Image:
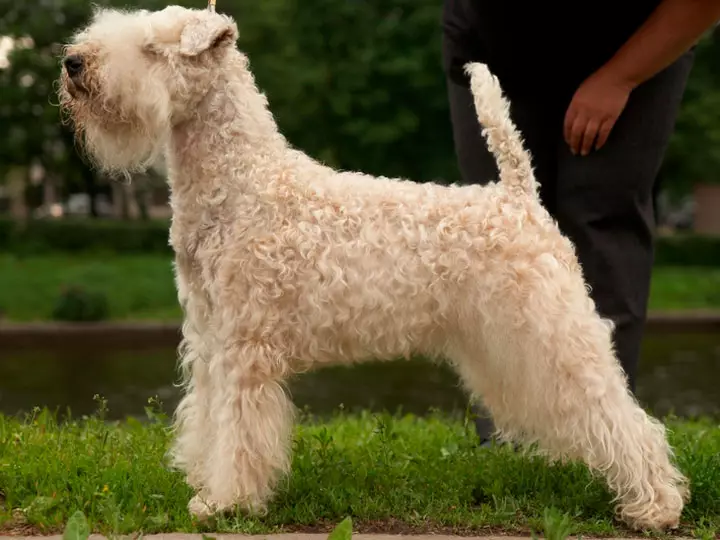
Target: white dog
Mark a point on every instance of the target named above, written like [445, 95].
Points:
[284, 264]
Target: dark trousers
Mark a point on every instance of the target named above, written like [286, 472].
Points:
[603, 202]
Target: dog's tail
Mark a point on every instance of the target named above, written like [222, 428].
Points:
[502, 136]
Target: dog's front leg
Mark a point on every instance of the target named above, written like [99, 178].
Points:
[253, 420]
[192, 425]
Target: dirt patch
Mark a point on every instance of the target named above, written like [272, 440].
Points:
[25, 530]
[396, 526]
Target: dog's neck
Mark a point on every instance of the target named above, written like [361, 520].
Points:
[233, 131]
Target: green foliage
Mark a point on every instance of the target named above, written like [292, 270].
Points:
[426, 473]
[694, 152]
[8, 229]
[78, 304]
[365, 75]
[688, 250]
[84, 236]
[28, 103]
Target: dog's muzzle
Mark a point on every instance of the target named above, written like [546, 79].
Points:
[74, 67]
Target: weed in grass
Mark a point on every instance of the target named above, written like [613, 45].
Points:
[342, 531]
[405, 472]
[705, 530]
[77, 527]
[556, 525]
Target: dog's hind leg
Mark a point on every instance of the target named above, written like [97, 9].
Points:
[549, 375]
[253, 421]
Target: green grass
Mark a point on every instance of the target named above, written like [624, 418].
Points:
[390, 473]
[139, 287]
[142, 288]
[682, 288]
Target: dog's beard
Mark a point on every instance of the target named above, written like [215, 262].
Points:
[118, 142]
[121, 149]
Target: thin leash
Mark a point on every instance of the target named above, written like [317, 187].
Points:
[211, 6]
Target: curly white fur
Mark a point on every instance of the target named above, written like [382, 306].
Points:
[284, 264]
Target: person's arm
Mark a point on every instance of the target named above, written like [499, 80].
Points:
[672, 28]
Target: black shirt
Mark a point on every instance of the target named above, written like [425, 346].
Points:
[538, 47]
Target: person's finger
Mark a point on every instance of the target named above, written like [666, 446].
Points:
[576, 133]
[604, 133]
[570, 116]
[588, 137]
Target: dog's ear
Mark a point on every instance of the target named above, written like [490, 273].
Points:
[207, 33]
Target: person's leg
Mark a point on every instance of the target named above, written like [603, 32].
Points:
[477, 166]
[605, 205]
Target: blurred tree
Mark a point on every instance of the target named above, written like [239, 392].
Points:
[694, 152]
[28, 103]
[355, 83]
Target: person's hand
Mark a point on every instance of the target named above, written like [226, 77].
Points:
[593, 111]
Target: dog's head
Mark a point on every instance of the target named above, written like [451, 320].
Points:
[129, 77]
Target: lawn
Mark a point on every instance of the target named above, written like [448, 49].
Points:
[138, 287]
[142, 287]
[390, 473]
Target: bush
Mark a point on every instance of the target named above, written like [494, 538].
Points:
[83, 236]
[7, 228]
[688, 250]
[76, 304]
[102, 235]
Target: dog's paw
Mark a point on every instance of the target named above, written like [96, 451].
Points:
[201, 509]
[661, 513]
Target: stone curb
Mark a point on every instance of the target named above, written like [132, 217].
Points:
[160, 334]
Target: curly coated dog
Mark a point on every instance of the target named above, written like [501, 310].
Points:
[284, 264]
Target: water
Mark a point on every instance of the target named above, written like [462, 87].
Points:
[679, 373]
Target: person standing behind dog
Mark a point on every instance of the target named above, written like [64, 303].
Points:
[594, 89]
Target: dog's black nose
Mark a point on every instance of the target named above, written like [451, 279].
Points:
[74, 64]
